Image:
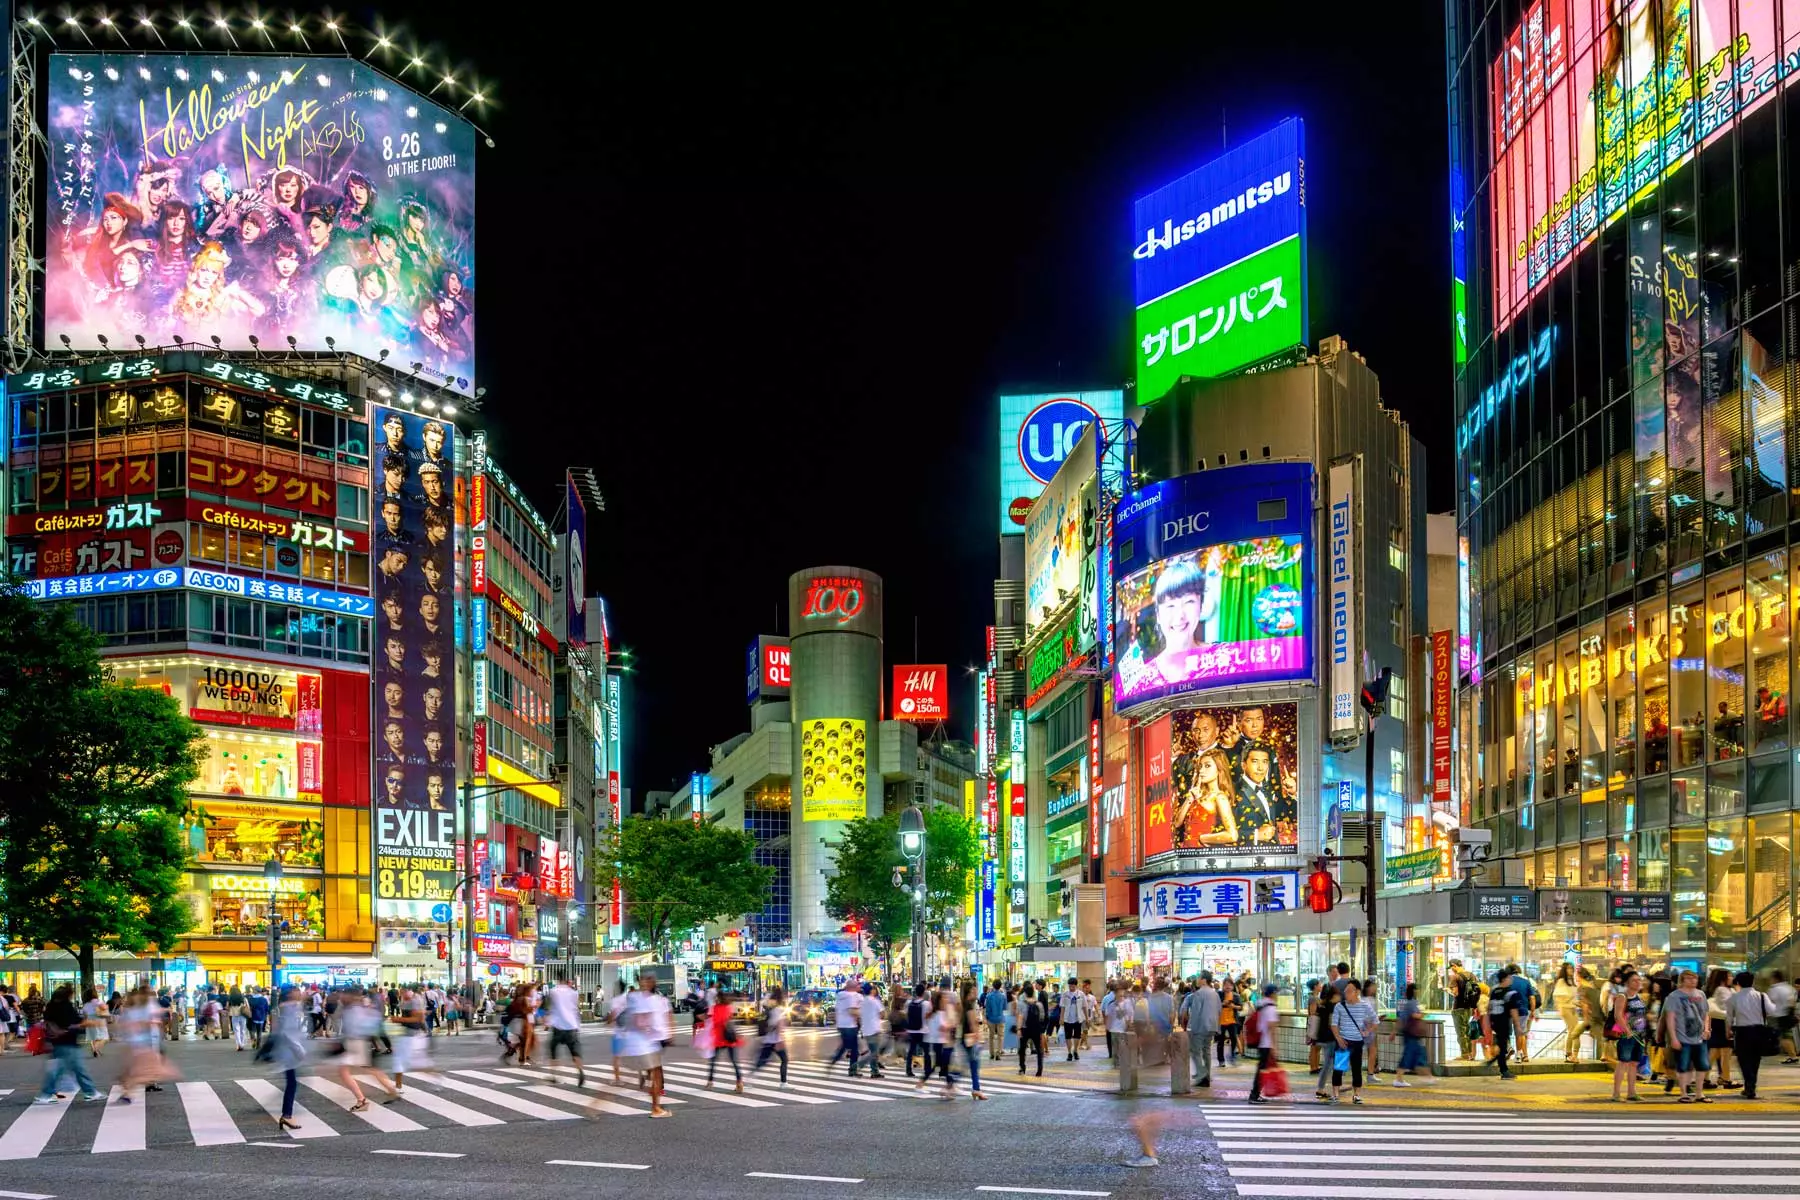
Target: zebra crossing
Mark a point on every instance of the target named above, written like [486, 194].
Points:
[238, 1111]
[1460, 1154]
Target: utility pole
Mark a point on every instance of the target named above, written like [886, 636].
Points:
[1374, 699]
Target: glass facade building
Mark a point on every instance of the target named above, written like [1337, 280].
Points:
[1626, 252]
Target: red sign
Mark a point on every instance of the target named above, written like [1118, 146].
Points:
[1019, 509]
[258, 483]
[102, 478]
[922, 693]
[481, 892]
[480, 764]
[493, 946]
[549, 868]
[777, 666]
[1096, 786]
[311, 759]
[478, 564]
[617, 916]
[92, 551]
[1443, 642]
[837, 598]
[1158, 804]
[478, 503]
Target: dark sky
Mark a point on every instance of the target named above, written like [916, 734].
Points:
[768, 274]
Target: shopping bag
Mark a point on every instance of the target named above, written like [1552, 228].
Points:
[36, 1041]
[703, 1040]
[1341, 1061]
[1274, 1081]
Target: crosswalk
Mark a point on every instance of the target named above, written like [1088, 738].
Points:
[236, 1111]
[1459, 1154]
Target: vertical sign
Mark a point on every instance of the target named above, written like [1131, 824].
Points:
[700, 794]
[575, 568]
[615, 741]
[483, 872]
[982, 762]
[969, 814]
[480, 765]
[415, 804]
[1015, 861]
[1441, 705]
[1096, 786]
[1018, 744]
[1341, 607]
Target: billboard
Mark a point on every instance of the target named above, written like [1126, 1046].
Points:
[575, 570]
[1037, 432]
[1059, 536]
[1590, 111]
[1443, 714]
[1220, 274]
[415, 742]
[845, 603]
[768, 668]
[922, 693]
[1346, 657]
[1229, 783]
[1214, 582]
[195, 195]
[834, 769]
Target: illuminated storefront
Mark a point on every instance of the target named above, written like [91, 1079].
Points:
[1626, 456]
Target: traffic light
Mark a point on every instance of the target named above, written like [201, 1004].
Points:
[852, 927]
[1375, 692]
[443, 949]
[1321, 889]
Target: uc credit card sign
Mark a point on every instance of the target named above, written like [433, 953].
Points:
[1219, 263]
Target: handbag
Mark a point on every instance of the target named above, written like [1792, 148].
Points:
[1274, 1081]
[1341, 1061]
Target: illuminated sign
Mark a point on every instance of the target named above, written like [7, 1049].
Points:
[261, 484]
[483, 873]
[478, 579]
[1037, 432]
[132, 516]
[699, 794]
[1015, 836]
[1051, 663]
[255, 883]
[478, 625]
[1340, 501]
[1177, 900]
[1513, 381]
[209, 581]
[131, 370]
[1214, 582]
[836, 599]
[1223, 781]
[493, 946]
[921, 693]
[1220, 274]
[575, 569]
[480, 748]
[1442, 715]
[515, 610]
[833, 769]
[364, 175]
[1096, 786]
[768, 668]
[480, 706]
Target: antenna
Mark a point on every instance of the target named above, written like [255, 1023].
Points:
[1224, 132]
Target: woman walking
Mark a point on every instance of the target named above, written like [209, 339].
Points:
[1719, 992]
[1565, 996]
[1628, 1023]
[724, 1039]
[1323, 1038]
[291, 1025]
[1749, 1014]
[96, 1017]
[946, 1013]
[973, 1029]
[360, 1022]
[1352, 1023]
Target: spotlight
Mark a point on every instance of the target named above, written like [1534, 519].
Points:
[383, 391]
[144, 73]
[330, 343]
[449, 410]
[216, 343]
[101, 338]
[106, 21]
[140, 340]
[384, 355]
[417, 367]
[181, 74]
[324, 80]
[220, 22]
[65, 341]
[292, 344]
[428, 403]
[441, 127]
[412, 110]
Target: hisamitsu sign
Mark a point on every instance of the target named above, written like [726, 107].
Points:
[1176, 900]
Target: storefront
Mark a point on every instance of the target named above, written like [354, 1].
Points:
[1183, 920]
[241, 904]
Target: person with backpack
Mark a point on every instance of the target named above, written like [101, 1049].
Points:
[1259, 1043]
[724, 1041]
[1748, 1013]
[1031, 1028]
[1505, 1011]
[1465, 994]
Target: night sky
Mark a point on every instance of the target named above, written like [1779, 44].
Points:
[768, 276]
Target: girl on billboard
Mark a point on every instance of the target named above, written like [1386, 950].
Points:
[110, 238]
[1205, 817]
[1187, 610]
[175, 246]
[356, 207]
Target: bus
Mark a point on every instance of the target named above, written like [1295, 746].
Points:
[750, 978]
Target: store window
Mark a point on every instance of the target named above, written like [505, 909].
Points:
[1064, 845]
[1687, 888]
[1725, 621]
[1547, 688]
[1725, 789]
[1653, 860]
[240, 904]
[1653, 673]
[1687, 674]
[1621, 669]
[1766, 619]
[1568, 694]
[1727, 885]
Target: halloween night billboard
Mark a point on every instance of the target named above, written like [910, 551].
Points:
[266, 197]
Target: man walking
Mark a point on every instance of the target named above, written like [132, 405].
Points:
[993, 1011]
[870, 1010]
[1200, 1013]
[1688, 1024]
[564, 1007]
[848, 1018]
[1505, 1013]
[1074, 1016]
[1464, 995]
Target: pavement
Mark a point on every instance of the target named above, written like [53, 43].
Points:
[473, 1126]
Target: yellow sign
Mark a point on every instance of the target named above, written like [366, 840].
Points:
[834, 769]
[255, 883]
[503, 773]
[726, 964]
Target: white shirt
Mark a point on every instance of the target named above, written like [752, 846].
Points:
[1747, 1006]
[872, 1011]
[646, 1023]
[1118, 1015]
[565, 1008]
[849, 1003]
[1782, 996]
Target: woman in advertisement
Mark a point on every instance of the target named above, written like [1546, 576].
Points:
[1205, 816]
[1187, 604]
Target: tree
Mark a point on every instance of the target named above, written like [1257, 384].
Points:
[862, 889]
[677, 875]
[92, 847]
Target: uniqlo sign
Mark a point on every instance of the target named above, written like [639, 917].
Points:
[921, 693]
[777, 667]
[1442, 646]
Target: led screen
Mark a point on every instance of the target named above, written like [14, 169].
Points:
[1225, 781]
[311, 198]
[1037, 432]
[834, 769]
[1213, 582]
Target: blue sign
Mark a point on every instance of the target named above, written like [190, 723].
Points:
[440, 913]
[1048, 436]
[1244, 200]
[990, 871]
[1037, 432]
[223, 582]
[753, 671]
[478, 621]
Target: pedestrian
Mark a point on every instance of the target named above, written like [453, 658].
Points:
[1464, 993]
[1504, 1011]
[1719, 992]
[1200, 1011]
[410, 1051]
[615, 1010]
[1029, 1012]
[1324, 1038]
[62, 1030]
[1628, 1025]
[1565, 997]
[316, 1008]
[1352, 1024]
[918, 1013]
[942, 1033]
[1226, 1034]
[95, 1016]
[1686, 1028]
[287, 1048]
[564, 1017]
[1259, 1042]
[724, 1040]
[1115, 1010]
[1073, 1015]
[1529, 1001]
[1411, 1019]
[847, 1014]
[993, 1015]
[1749, 1013]
[871, 1014]
[971, 1019]
[1782, 995]
[258, 1001]
[358, 1023]
[772, 1028]
[646, 1023]
[9, 1017]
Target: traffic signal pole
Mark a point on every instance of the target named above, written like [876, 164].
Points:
[1369, 855]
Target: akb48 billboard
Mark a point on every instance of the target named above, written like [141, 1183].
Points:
[252, 197]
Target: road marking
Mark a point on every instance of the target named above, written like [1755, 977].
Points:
[1449, 1193]
[1512, 1160]
[484, 1076]
[499, 1099]
[566, 1075]
[721, 1097]
[1541, 1141]
[269, 1096]
[1031, 1191]
[751, 1089]
[24, 1195]
[577, 1162]
[208, 1122]
[121, 1125]
[448, 1109]
[28, 1135]
[591, 1103]
[422, 1153]
[276, 1145]
[803, 1178]
[378, 1115]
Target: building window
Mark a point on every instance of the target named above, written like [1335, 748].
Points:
[1397, 548]
[1397, 772]
[1397, 625]
[1396, 707]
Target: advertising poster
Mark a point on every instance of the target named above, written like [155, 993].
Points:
[1177, 900]
[1059, 537]
[575, 569]
[834, 769]
[1443, 712]
[1231, 784]
[415, 710]
[1037, 432]
[1344, 652]
[1591, 108]
[1214, 581]
[195, 195]
[1220, 272]
[922, 693]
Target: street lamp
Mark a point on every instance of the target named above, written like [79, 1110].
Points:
[272, 873]
[912, 846]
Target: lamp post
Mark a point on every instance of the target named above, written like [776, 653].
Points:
[272, 873]
[912, 846]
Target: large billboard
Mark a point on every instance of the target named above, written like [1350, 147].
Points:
[1059, 539]
[1037, 432]
[834, 770]
[922, 693]
[1229, 784]
[415, 687]
[1341, 615]
[242, 197]
[1213, 582]
[1589, 110]
[1220, 271]
[575, 570]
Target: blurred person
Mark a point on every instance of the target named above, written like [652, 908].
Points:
[1260, 1040]
[1749, 1013]
[849, 1029]
[1226, 1034]
[359, 1021]
[563, 1006]
[646, 1023]
[870, 1016]
[95, 1017]
[724, 1039]
[411, 1049]
[918, 1011]
[1719, 992]
[942, 1036]
[993, 1015]
[1782, 995]
[774, 1034]
[1687, 1024]
[1410, 1018]
[1028, 1013]
[62, 1031]
[971, 1019]
[287, 1049]
[1200, 1010]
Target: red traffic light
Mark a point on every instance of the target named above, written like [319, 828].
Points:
[443, 948]
[1321, 890]
[852, 927]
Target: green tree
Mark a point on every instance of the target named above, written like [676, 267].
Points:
[677, 875]
[862, 889]
[92, 847]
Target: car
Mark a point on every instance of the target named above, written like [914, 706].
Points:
[812, 1006]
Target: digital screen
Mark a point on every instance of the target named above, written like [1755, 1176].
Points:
[195, 195]
[834, 769]
[575, 581]
[1227, 782]
[415, 682]
[1220, 270]
[1059, 537]
[1213, 582]
[1590, 111]
[1037, 432]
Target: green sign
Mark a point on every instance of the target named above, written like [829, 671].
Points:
[1410, 868]
[1050, 661]
[1237, 315]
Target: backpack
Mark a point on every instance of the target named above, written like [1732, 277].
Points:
[915, 1014]
[1468, 992]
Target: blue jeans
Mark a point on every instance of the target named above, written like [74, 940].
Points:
[768, 1050]
[850, 1042]
[974, 1054]
[65, 1060]
[290, 1087]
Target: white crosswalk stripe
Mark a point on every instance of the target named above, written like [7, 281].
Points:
[1287, 1150]
[377, 1114]
[269, 1096]
[121, 1125]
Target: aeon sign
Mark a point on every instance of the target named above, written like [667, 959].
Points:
[1049, 435]
[838, 599]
